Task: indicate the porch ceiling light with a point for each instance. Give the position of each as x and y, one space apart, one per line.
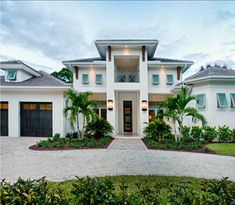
144 105
110 105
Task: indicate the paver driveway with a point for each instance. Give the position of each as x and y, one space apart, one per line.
17 160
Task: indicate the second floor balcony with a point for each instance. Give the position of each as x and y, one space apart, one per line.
127 76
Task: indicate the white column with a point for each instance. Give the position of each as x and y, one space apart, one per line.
143 93
110 90
13 118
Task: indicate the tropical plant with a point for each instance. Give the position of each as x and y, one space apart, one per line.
196 132
209 133
64 74
79 103
98 128
158 130
176 108
224 134
185 134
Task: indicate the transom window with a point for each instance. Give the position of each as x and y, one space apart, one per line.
232 96
11 75
98 78
155 79
85 79
169 79
201 100
221 100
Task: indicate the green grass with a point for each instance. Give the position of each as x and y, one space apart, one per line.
223 148
131 181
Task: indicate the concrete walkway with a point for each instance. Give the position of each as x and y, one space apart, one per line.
127 144
17 160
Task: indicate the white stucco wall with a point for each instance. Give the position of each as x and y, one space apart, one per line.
214 115
14 97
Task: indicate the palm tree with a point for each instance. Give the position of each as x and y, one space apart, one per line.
79 103
86 107
72 107
176 108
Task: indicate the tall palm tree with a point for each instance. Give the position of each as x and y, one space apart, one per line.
86 107
72 108
79 103
176 108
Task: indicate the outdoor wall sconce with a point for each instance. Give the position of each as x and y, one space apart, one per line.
110 104
144 105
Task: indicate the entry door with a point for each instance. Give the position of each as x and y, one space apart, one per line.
127 115
4 118
36 119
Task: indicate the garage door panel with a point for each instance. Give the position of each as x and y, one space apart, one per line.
4 118
36 119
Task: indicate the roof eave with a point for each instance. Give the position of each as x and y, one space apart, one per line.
209 78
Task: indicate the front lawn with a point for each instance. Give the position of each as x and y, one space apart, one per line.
222 148
136 190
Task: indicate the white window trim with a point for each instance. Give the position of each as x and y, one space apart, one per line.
219 103
232 100
101 79
203 103
167 82
154 82
87 82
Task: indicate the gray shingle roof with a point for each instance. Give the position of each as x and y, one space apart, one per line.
18 62
45 80
212 71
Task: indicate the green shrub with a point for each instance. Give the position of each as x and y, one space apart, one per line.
185 134
224 134
196 132
72 135
196 145
93 191
158 130
233 135
209 133
98 128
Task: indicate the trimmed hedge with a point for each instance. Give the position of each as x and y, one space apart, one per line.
87 191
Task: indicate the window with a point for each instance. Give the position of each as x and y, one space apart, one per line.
98 78
201 101
232 96
85 79
221 100
11 75
155 79
169 79
103 113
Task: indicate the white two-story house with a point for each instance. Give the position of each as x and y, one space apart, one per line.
127 81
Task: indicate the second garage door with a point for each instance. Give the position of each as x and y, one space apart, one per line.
36 119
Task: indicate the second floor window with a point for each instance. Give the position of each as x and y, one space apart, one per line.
169 79
11 75
221 100
232 96
155 79
85 79
200 101
98 78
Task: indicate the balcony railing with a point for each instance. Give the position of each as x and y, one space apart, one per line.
127 76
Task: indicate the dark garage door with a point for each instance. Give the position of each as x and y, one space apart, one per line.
4 118
36 119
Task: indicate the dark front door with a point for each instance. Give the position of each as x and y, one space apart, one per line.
4 118
36 119
127 115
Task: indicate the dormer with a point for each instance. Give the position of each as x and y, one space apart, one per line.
17 71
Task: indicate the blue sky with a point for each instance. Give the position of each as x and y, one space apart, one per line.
45 33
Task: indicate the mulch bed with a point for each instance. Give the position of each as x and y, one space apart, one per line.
200 150
35 147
